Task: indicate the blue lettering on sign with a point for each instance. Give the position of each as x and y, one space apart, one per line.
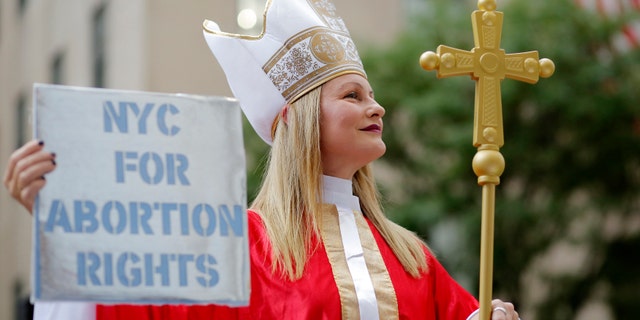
153 168
204 267
210 221
162 119
84 214
121 217
227 220
118 117
166 209
183 260
162 270
57 217
108 269
134 208
114 217
88 266
131 270
132 278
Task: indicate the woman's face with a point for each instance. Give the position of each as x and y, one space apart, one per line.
350 126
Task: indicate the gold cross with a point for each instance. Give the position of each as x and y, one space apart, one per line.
488 65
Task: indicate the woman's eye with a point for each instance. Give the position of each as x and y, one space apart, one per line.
352 95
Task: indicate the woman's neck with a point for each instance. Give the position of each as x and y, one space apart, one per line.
339 191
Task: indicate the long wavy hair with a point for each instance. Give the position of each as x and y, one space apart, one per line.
289 200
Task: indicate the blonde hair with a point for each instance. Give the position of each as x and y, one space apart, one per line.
289 200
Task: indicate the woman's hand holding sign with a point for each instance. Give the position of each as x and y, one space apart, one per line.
24 175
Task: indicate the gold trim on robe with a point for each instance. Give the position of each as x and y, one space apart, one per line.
332 239
385 293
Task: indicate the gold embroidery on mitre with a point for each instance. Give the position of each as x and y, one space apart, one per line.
326 48
327 12
309 58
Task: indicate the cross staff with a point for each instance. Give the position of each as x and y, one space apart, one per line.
487 65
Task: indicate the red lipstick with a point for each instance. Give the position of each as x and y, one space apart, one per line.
372 128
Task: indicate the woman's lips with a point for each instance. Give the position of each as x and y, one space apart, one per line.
372 128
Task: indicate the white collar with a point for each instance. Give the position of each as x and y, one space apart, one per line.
339 192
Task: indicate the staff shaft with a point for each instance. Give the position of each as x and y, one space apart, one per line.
486 249
488 164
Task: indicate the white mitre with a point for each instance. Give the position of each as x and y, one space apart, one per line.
303 44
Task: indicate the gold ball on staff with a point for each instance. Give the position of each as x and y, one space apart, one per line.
547 68
487 5
429 60
488 165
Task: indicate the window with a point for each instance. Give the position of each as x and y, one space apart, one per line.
22 118
57 69
22 5
99 50
22 305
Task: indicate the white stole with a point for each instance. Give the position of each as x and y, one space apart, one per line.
339 192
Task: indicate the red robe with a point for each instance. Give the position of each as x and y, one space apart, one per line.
435 295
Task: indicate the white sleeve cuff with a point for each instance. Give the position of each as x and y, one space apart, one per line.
473 314
48 310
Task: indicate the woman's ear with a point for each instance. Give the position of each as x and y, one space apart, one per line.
282 116
283 113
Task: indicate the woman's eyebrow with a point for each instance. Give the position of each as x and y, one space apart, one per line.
346 85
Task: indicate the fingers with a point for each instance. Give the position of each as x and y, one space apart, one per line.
29 148
28 194
503 310
24 175
33 167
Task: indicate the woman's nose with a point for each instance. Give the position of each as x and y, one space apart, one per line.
375 109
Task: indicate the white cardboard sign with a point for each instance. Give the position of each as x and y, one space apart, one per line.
147 203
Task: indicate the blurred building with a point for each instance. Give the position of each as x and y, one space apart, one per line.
150 45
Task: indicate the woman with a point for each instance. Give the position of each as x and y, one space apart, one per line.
320 245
